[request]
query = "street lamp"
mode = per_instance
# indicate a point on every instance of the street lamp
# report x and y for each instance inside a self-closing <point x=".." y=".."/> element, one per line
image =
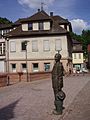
<point x="26" y="60"/>
<point x="7" y="59"/>
<point x="59" y="50"/>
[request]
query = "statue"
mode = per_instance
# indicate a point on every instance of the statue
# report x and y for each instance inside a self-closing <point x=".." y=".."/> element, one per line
<point x="57" y="84"/>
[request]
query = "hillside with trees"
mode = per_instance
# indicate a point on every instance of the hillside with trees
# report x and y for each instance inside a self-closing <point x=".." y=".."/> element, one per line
<point x="84" y="38"/>
<point x="4" y="21"/>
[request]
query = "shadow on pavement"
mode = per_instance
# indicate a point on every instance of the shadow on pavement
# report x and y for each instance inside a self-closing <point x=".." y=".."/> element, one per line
<point x="7" y="112"/>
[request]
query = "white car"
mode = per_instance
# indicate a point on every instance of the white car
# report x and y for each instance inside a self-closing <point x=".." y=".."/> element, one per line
<point x="85" y="70"/>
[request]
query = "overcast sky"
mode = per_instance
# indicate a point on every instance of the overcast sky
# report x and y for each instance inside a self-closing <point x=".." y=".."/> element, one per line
<point x="76" y="11"/>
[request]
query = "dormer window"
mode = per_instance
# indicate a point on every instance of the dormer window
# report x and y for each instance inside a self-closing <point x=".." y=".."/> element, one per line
<point x="41" y="26"/>
<point x="30" y="26"/>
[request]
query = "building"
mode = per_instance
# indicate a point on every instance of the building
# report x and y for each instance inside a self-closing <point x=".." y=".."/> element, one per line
<point x="77" y="55"/>
<point x="88" y="52"/>
<point x="31" y="46"/>
<point x="4" y="28"/>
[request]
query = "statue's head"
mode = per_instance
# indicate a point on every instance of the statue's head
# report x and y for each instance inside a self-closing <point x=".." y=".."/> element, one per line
<point x="57" y="57"/>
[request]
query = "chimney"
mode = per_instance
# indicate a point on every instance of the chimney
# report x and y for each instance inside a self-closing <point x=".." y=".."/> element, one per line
<point x="51" y="13"/>
<point x="38" y="10"/>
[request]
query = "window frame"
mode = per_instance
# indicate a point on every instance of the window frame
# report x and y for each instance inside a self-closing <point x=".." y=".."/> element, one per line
<point x="75" y="57"/>
<point x="35" y="44"/>
<point x="79" y="56"/>
<point x="23" y="49"/>
<point x="41" y="25"/>
<point x="2" y="48"/>
<point x="12" y="43"/>
<point x="13" y="69"/>
<point x="23" y="69"/>
<point x="58" y="46"/>
<point x="35" y="69"/>
<point x="47" y="69"/>
<point x="30" y="26"/>
<point x="45" y="47"/>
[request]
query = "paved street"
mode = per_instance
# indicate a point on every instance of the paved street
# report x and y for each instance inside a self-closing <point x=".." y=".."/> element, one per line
<point x="34" y="101"/>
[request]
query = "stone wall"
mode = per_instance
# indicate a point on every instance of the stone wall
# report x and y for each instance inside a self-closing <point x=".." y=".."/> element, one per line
<point x="3" y="79"/>
<point x="18" y="77"/>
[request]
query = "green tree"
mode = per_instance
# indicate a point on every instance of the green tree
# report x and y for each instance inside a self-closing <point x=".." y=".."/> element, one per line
<point x="84" y="38"/>
<point x="4" y="21"/>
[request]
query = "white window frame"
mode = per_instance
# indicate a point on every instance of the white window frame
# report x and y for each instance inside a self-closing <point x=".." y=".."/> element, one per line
<point x="47" y="66"/>
<point x="34" y="46"/>
<point x="13" y="69"/>
<point x="12" y="46"/>
<point x="79" y="56"/>
<point x="75" y="57"/>
<point x="35" y="69"/>
<point x="23" y="69"/>
<point x="58" y="44"/>
<point x="46" y="45"/>
<point x="2" y="48"/>
<point x="41" y="25"/>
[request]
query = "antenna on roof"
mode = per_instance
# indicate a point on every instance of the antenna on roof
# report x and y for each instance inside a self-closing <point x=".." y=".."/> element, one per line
<point x="42" y="4"/>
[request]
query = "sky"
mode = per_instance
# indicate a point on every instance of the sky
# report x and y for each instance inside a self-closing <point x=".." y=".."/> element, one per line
<point x="76" y="11"/>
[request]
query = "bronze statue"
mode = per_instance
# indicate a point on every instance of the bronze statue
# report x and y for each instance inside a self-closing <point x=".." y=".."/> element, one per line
<point x="57" y="84"/>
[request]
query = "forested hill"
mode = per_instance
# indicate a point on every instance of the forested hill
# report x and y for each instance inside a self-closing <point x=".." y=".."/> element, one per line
<point x="84" y="38"/>
<point x="4" y="21"/>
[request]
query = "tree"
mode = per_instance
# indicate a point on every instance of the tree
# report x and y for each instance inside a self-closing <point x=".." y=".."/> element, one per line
<point x="4" y="21"/>
<point x="84" y="38"/>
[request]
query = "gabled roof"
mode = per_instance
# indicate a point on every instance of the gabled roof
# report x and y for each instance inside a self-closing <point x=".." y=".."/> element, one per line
<point x="60" y="20"/>
<point x="19" y="33"/>
<point x="40" y="15"/>
<point x="78" y="46"/>
<point x="5" y="26"/>
<point x="76" y="42"/>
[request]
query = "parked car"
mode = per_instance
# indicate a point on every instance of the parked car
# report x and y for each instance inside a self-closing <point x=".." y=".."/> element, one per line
<point x="85" y="70"/>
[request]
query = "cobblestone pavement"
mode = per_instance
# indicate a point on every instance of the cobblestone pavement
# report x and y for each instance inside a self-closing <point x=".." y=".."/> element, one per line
<point x="80" y="107"/>
<point x="35" y="101"/>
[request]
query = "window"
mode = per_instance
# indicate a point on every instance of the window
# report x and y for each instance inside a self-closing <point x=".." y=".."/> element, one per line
<point x="12" y="46"/>
<point x="4" y="32"/>
<point x="74" y="48"/>
<point x="30" y="26"/>
<point x="0" y="33"/>
<point x="35" y="67"/>
<point x="2" y="48"/>
<point x="46" y="66"/>
<point x="79" y="56"/>
<point x="13" y="67"/>
<point x="34" y="46"/>
<point x="46" y="45"/>
<point x="23" y="46"/>
<point x="24" y="66"/>
<point x="41" y="27"/>
<point x="58" y="45"/>
<point x="74" y="55"/>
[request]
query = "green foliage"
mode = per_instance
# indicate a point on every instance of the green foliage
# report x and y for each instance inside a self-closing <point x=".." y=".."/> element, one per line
<point x="4" y="21"/>
<point x="84" y="38"/>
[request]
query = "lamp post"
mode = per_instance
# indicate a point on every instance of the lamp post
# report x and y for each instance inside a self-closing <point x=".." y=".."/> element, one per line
<point x="26" y="60"/>
<point x="7" y="60"/>
<point x="59" y="50"/>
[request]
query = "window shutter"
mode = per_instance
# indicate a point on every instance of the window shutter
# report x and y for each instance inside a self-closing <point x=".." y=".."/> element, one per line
<point x="12" y="46"/>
